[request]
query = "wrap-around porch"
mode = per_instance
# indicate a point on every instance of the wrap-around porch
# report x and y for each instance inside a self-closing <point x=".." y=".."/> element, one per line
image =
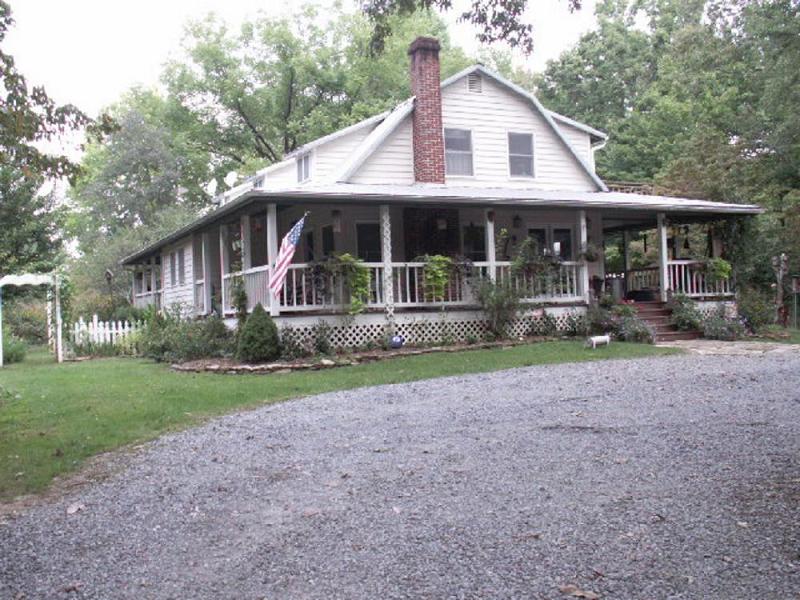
<point x="390" y="239"/>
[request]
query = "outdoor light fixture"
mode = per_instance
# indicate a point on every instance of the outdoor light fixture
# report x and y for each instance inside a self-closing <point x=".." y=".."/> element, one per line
<point x="441" y="223"/>
<point x="516" y="222"/>
<point x="490" y="216"/>
<point x="336" y="215"/>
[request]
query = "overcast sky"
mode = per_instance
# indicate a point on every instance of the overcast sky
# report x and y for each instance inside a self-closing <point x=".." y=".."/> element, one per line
<point x="88" y="52"/>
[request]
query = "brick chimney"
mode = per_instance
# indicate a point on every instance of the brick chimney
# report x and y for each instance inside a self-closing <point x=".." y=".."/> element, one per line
<point x="427" y="119"/>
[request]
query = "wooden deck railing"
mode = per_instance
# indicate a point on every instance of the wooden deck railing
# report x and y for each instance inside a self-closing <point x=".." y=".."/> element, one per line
<point x="309" y="289"/>
<point x="688" y="277"/>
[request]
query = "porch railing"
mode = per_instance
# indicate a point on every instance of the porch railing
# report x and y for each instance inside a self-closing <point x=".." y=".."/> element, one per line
<point x="145" y="299"/>
<point x="646" y="278"/>
<point x="256" y="285"/>
<point x="312" y="289"/>
<point x="558" y="284"/>
<point x="688" y="277"/>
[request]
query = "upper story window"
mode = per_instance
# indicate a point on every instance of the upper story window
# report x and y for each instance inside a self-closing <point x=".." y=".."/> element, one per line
<point x="458" y="151"/>
<point x="303" y="168"/>
<point x="520" y="154"/>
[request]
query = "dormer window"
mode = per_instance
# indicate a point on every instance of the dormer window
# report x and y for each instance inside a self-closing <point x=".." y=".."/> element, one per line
<point x="303" y="168"/>
<point x="520" y="154"/>
<point x="474" y="83"/>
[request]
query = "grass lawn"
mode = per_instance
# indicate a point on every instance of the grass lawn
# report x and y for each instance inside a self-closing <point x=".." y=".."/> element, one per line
<point x="53" y="417"/>
<point x="793" y="338"/>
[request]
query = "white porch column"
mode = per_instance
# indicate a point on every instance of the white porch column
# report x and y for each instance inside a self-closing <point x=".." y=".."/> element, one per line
<point x="663" y="257"/>
<point x="247" y="253"/>
<point x="272" y="252"/>
<point x="386" y="255"/>
<point x="491" y="250"/>
<point x="583" y="242"/>
<point x="224" y="263"/>
<point x="206" y="248"/>
<point x="626" y="257"/>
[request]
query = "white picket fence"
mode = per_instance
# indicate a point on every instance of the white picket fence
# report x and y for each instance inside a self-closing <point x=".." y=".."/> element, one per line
<point x="99" y="332"/>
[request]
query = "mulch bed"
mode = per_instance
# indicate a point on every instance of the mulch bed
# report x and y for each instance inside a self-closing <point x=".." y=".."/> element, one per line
<point x="233" y="367"/>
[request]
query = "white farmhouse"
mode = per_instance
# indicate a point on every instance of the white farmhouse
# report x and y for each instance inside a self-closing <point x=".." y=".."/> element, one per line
<point x="443" y="173"/>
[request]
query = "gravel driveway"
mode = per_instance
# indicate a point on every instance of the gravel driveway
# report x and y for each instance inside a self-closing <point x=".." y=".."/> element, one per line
<point x="656" y="478"/>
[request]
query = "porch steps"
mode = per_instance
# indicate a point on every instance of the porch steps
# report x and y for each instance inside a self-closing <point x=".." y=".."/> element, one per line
<point x="656" y="314"/>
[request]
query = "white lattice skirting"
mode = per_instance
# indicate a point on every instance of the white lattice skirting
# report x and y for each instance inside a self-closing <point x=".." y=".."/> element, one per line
<point x="428" y="327"/>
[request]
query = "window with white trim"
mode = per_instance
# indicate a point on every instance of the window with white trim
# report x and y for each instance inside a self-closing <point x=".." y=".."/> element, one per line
<point x="458" y="151"/>
<point x="520" y="154"/>
<point x="303" y="168"/>
<point x="181" y="267"/>
<point x="172" y="270"/>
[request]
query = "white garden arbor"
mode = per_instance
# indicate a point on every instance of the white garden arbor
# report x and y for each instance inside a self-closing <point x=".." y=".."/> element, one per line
<point x="47" y="279"/>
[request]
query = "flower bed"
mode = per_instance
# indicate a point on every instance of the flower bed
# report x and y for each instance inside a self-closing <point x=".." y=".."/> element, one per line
<point x="233" y="367"/>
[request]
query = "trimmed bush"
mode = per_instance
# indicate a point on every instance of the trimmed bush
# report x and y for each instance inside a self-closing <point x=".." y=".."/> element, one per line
<point x="258" y="340"/>
<point x="322" y="338"/>
<point x="719" y="327"/>
<point x="500" y="303"/>
<point x="293" y="345"/>
<point x="685" y="315"/>
<point x="601" y="320"/>
<point x="173" y="339"/>
<point x="633" y="329"/>
<point x="14" y="349"/>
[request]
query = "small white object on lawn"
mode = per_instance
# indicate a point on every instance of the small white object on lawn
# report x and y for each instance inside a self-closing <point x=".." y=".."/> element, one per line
<point x="598" y="340"/>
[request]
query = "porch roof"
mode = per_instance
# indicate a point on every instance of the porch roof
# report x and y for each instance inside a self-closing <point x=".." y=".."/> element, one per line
<point x="432" y="194"/>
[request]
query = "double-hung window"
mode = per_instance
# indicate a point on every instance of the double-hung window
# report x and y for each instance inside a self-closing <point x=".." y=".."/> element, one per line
<point x="181" y="266"/>
<point x="520" y="154"/>
<point x="173" y="280"/>
<point x="303" y="168"/>
<point x="458" y="151"/>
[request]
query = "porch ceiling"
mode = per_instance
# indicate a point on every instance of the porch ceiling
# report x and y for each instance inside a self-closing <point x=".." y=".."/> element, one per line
<point x="623" y="210"/>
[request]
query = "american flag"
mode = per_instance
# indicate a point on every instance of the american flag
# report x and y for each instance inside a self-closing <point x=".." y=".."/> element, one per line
<point x="285" y="254"/>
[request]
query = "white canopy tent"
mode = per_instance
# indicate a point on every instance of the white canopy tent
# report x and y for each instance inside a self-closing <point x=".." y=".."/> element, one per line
<point x="49" y="279"/>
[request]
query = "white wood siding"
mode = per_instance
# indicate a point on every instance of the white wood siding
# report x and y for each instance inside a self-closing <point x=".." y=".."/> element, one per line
<point x="490" y="115"/>
<point x="579" y="140"/>
<point x="393" y="161"/>
<point x="282" y="176"/>
<point x="327" y="160"/>
<point x="178" y="295"/>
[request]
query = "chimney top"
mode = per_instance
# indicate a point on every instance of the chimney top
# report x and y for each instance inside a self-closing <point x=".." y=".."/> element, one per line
<point x="424" y="43"/>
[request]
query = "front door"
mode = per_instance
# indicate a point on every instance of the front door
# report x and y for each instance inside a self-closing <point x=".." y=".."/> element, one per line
<point x="431" y="231"/>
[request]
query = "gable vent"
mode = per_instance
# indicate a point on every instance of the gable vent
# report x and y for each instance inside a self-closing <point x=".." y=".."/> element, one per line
<point x="474" y="83"/>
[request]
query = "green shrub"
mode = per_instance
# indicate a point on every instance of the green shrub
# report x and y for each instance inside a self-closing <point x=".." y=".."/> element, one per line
<point x="756" y="309"/>
<point x="321" y="335"/>
<point x="546" y="326"/>
<point x="623" y="310"/>
<point x="633" y="329"/>
<point x="292" y="344"/>
<point x="14" y="349"/>
<point x="720" y="327"/>
<point x="500" y="304"/>
<point x="718" y="269"/>
<point x="27" y="320"/>
<point x="258" y="340"/>
<point x="685" y="314"/>
<point x="174" y="339"/>
<point x="576" y="325"/>
<point x="601" y="320"/>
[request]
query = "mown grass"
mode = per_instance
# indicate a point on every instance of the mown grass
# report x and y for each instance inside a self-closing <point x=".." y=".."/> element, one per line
<point x="774" y="333"/>
<point x="53" y="417"/>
